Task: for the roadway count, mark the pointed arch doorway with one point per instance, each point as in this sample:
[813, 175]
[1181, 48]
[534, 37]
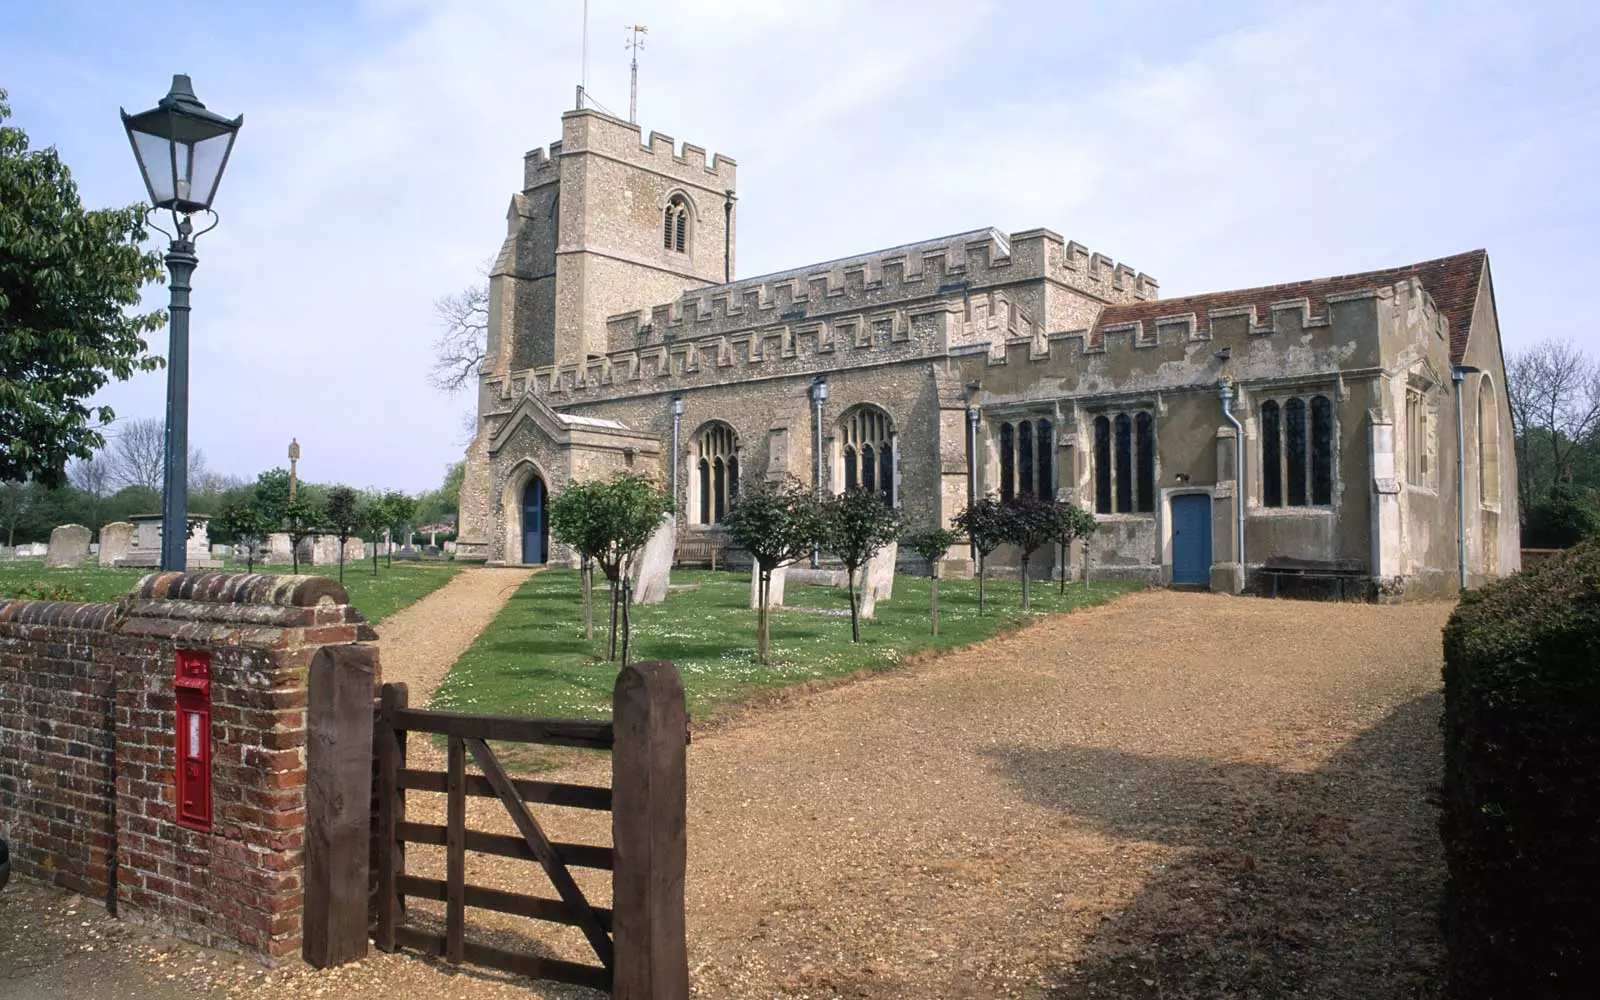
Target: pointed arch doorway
[535, 523]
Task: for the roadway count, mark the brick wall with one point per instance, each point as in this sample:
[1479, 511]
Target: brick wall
[86, 692]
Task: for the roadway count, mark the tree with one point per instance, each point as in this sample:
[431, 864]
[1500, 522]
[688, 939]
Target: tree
[855, 525]
[984, 522]
[271, 494]
[932, 544]
[344, 517]
[776, 525]
[301, 519]
[613, 519]
[1072, 522]
[1030, 523]
[460, 349]
[1554, 392]
[70, 281]
[395, 512]
[571, 522]
[248, 526]
[92, 478]
[1562, 518]
[137, 456]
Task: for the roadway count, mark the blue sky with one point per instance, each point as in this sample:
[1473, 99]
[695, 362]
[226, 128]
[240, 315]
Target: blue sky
[1213, 145]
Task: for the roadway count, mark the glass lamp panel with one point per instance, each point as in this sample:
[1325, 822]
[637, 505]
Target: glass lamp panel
[207, 158]
[155, 162]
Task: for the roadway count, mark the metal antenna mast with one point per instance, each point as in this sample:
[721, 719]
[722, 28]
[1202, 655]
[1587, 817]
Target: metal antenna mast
[583, 80]
[635, 43]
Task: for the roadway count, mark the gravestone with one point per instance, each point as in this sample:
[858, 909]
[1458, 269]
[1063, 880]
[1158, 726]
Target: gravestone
[323, 550]
[32, 550]
[774, 586]
[69, 547]
[878, 575]
[652, 570]
[278, 549]
[354, 549]
[116, 541]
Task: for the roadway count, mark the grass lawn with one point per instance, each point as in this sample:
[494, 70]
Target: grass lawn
[377, 597]
[533, 659]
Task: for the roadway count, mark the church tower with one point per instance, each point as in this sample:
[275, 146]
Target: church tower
[604, 225]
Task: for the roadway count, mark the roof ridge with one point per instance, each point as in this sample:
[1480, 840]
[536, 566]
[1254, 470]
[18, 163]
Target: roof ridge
[1305, 282]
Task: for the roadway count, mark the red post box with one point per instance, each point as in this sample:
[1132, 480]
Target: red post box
[192, 685]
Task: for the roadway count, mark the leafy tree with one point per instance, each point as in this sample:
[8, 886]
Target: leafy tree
[344, 517]
[302, 518]
[1563, 518]
[572, 523]
[271, 494]
[776, 525]
[619, 516]
[1030, 523]
[443, 503]
[856, 524]
[395, 511]
[1072, 523]
[69, 280]
[984, 522]
[932, 544]
[247, 525]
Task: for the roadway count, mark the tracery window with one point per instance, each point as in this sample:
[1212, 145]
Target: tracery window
[1027, 460]
[675, 225]
[1488, 444]
[869, 452]
[1125, 463]
[1417, 473]
[1297, 452]
[716, 457]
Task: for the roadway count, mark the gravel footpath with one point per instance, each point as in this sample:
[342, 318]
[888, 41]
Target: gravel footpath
[422, 642]
[1175, 795]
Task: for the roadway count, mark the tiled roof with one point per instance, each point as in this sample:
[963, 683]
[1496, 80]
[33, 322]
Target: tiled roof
[1452, 281]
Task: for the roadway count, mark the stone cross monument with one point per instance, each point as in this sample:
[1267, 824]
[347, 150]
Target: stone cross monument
[294, 457]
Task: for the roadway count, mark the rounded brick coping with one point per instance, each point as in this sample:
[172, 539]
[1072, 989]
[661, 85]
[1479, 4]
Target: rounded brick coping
[243, 588]
[62, 614]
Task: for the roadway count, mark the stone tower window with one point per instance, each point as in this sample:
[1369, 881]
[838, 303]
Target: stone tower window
[675, 225]
[870, 452]
[716, 460]
[1125, 463]
[1297, 452]
[1026, 450]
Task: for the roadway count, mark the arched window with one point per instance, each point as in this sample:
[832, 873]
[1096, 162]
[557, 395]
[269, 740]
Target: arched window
[869, 452]
[1047, 479]
[1102, 465]
[675, 225]
[1297, 445]
[716, 455]
[1125, 463]
[1488, 444]
[1025, 457]
[1026, 460]
[1008, 462]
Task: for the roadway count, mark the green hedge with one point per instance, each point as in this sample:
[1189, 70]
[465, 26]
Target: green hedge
[1521, 819]
[1562, 518]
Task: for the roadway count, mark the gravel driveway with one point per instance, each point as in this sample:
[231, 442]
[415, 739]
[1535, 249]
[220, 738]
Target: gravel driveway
[1176, 795]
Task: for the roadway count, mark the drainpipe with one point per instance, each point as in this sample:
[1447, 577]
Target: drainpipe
[677, 420]
[1225, 391]
[727, 236]
[1458, 374]
[819, 395]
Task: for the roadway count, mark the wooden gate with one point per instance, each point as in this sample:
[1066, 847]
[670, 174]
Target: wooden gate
[638, 943]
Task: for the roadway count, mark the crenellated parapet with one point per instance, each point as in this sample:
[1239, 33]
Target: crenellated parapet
[589, 131]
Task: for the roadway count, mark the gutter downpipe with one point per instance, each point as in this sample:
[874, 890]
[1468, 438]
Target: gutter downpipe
[972, 470]
[677, 420]
[727, 237]
[819, 395]
[1225, 391]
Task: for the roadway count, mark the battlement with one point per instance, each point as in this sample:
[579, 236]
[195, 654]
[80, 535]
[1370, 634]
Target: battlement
[589, 131]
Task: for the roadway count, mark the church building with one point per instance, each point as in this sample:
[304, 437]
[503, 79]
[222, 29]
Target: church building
[1357, 424]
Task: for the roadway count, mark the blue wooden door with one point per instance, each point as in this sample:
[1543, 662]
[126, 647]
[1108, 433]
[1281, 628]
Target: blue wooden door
[1191, 539]
[534, 534]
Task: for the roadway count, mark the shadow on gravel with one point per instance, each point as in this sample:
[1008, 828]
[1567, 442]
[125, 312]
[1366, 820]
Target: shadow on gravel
[1317, 885]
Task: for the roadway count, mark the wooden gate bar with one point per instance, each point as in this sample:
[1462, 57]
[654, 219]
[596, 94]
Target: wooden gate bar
[552, 864]
[552, 910]
[455, 916]
[532, 966]
[552, 732]
[550, 793]
[506, 845]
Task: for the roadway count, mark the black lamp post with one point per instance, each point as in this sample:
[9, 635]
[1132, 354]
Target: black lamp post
[182, 150]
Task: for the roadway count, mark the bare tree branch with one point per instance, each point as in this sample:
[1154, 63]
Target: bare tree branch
[93, 476]
[1554, 391]
[459, 351]
[136, 456]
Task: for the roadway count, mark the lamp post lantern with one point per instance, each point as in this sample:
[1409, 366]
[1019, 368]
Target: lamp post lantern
[182, 150]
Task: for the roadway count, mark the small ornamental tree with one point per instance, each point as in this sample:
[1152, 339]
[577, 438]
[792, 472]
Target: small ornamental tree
[984, 522]
[571, 524]
[855, 525]
[301, 520]
[932, 545]
[343, 517]
[1072, 523]
[397, 512]
[1030, 523]
[776, 525]
[248, 526]
[621, 514]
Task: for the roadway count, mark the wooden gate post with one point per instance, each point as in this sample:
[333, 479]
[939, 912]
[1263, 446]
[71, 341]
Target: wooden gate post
[648, 819]
[338, 804]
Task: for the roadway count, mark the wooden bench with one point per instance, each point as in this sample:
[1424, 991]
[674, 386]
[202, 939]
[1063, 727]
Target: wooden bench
[708, 550]
[1339, 572]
